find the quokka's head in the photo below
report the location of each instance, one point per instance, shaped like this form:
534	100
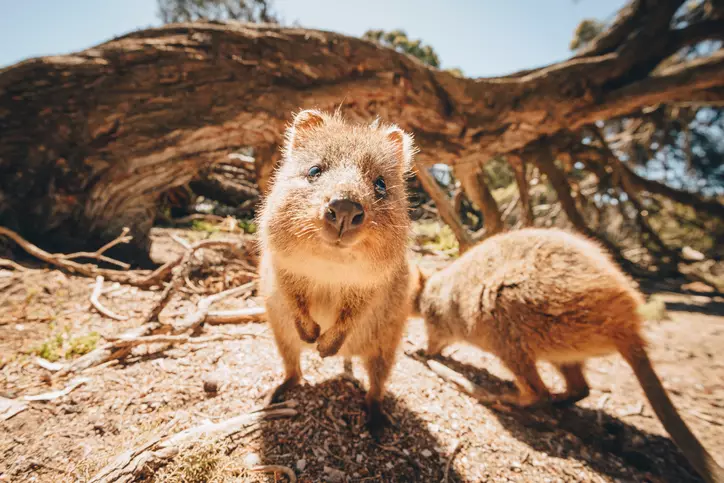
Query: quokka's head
340	188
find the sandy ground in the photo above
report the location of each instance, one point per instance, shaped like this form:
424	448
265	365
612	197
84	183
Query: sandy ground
613	435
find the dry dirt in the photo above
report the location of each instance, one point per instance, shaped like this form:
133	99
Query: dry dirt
611	436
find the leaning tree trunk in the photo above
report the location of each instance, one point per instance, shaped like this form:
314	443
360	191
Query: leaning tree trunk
89	141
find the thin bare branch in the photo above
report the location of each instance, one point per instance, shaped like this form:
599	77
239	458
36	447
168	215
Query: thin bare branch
95	301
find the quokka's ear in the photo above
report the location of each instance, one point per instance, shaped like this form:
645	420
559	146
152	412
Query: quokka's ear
304	123
403	146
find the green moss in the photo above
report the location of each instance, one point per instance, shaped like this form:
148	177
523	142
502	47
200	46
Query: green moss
62	345
51	349
248	226
202	225
82	345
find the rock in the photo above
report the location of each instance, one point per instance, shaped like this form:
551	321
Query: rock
334	475
359	458
426	453
252	459
211	384
301	464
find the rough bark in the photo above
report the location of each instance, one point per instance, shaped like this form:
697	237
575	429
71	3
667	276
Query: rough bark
558	181
445	207
90	140
517	163
475	186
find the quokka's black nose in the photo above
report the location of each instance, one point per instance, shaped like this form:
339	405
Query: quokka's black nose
344	215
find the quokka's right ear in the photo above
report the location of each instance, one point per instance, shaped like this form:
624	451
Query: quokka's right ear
303	124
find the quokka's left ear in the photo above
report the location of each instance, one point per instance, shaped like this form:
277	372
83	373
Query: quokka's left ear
403	145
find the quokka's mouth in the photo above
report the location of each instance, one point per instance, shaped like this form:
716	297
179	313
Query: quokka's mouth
343	241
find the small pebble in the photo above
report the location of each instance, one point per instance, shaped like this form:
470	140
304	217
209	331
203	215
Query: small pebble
359	458
426	453
334	475
301	464
211	385
252	459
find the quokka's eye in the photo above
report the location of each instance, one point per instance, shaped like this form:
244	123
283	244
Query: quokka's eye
380	186
314	172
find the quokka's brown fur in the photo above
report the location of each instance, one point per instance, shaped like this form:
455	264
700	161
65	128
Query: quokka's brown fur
340	284
545	294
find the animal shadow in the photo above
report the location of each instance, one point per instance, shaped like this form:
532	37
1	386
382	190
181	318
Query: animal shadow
330	436
645	456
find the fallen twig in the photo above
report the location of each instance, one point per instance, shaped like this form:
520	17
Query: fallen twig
108	352
46	364
94	299
10	407
285	470
237	316
462	382
135	463
49	396
65	261
195	319
4	262
121	342
446	476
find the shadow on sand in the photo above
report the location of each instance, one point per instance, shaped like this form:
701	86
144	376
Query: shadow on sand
548	430
329	432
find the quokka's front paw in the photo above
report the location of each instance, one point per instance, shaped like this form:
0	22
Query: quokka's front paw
330	343
308	330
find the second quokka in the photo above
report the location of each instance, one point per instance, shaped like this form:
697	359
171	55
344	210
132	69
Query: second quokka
333	231
537	294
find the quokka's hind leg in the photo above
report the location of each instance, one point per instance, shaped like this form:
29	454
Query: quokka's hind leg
378	368
347	369
532	392
576	385
289	347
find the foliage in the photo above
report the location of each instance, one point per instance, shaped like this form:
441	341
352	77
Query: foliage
62	345
586	31
680	145
248	226
255	11
435	235
398	40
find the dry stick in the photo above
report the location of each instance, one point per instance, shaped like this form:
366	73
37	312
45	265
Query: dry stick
64	261
94	299
133	464
4	262
238	316
121	341
162	273
195	319
121	346
98	254
465	384
455	450
135	278
108	352
285	470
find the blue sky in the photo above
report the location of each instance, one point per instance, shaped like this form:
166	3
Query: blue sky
483	37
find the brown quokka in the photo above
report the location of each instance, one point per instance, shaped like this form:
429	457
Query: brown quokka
545	294
333	233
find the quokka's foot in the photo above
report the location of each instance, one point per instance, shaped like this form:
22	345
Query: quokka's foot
377	420
275	395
